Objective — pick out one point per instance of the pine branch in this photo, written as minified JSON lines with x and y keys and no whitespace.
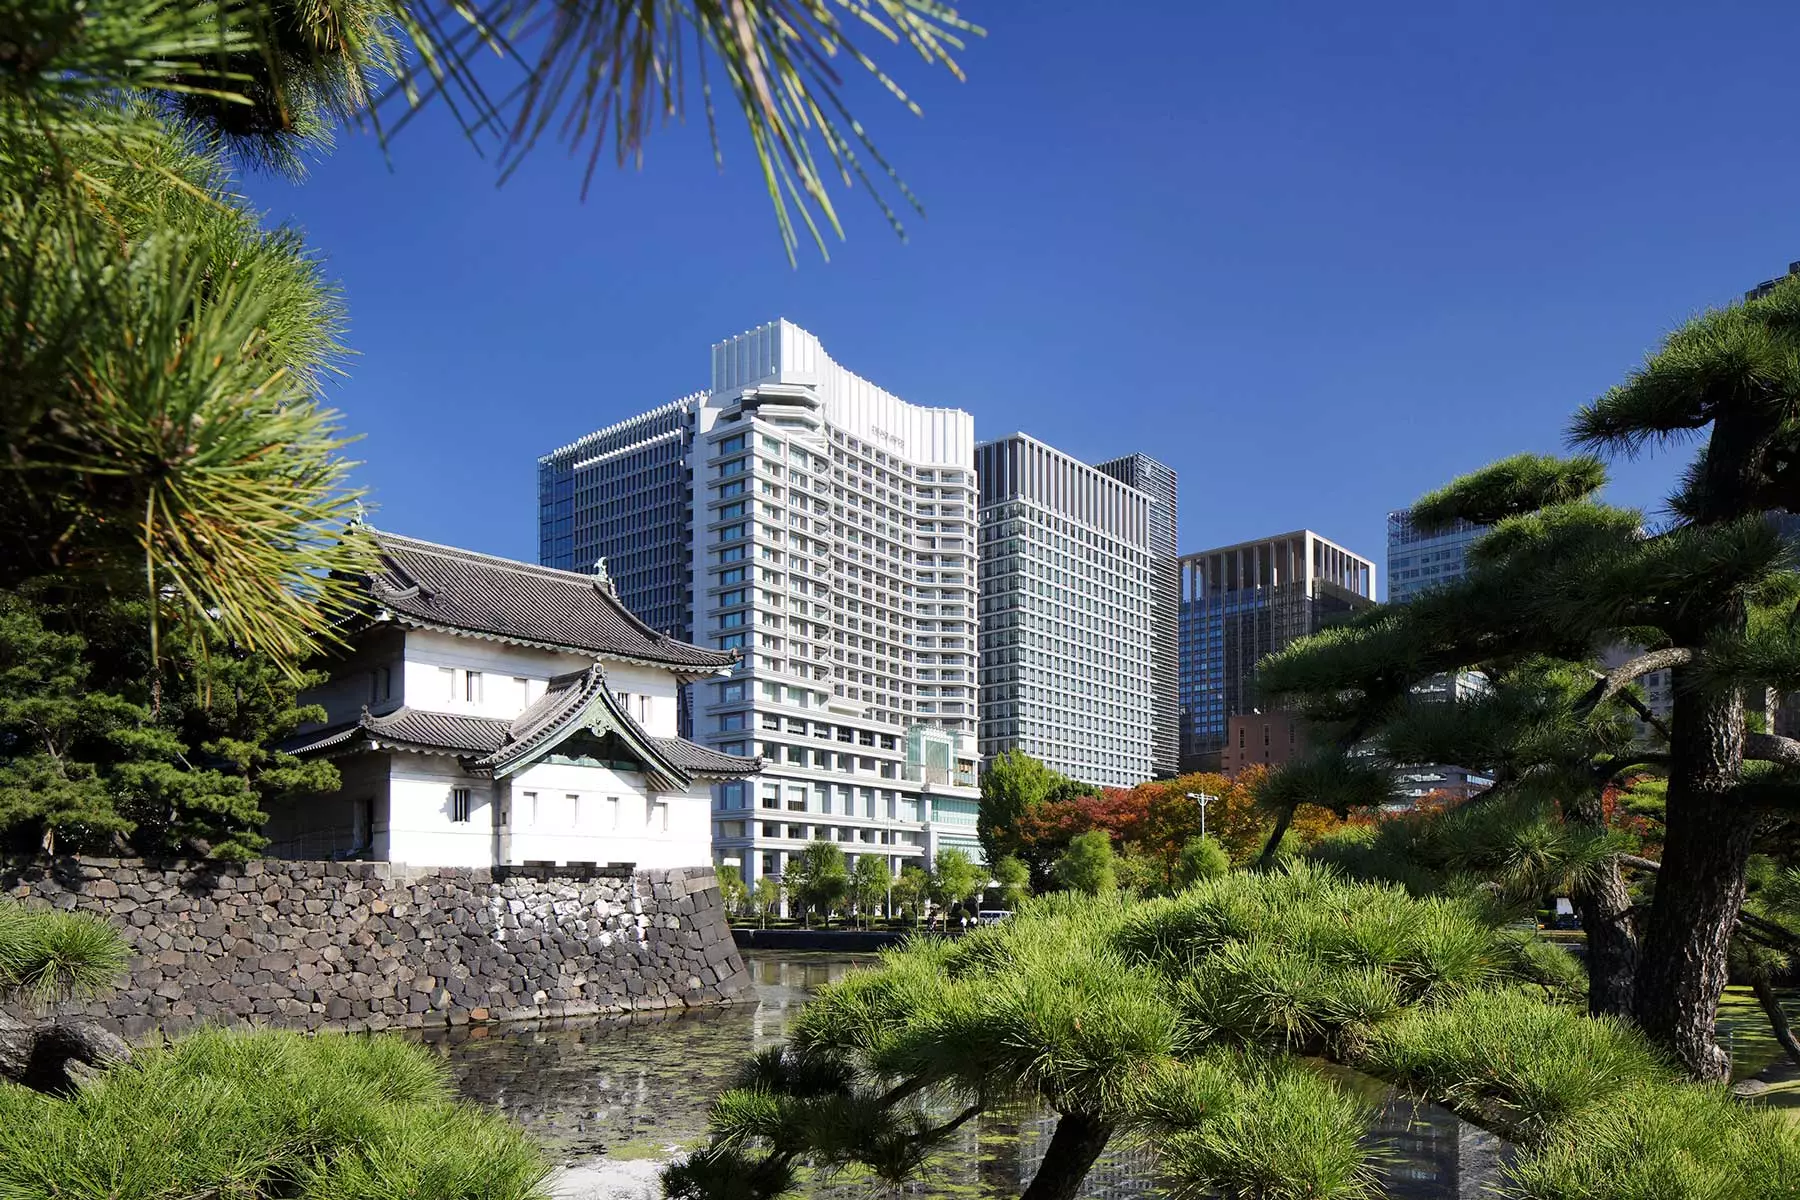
{"x":1770,"y":747}
{"x":1638,"y":706}
{"x":1616,"y":680}
{"x":1760,"y":929}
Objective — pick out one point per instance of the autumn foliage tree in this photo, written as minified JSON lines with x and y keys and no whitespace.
{"x":1151,"y":823}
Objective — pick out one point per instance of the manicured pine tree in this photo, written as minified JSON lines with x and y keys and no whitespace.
{"x":1710,"y":596}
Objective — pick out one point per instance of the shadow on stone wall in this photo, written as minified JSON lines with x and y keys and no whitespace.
{"x":370,"y":946}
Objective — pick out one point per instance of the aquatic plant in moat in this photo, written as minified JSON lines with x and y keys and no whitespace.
{"x":1184,"y":1024}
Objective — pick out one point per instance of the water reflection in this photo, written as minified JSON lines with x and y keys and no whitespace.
{"x":614,"y":1099}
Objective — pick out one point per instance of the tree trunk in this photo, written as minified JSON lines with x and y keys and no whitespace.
{"x":42,"y":1055}
{"x":1612,"y":942}
{"x":1604,"y":903}
{"x":1682,"y":965}
{"x":1079,"y":1140}
{"x":1282,"y":821}
{"x":1778,"y":1022}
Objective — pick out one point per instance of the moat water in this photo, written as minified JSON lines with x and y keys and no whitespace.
{"x":616,"y":1099}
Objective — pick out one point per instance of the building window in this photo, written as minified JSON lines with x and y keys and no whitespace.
{"x":459,"y":804}
{"x":381,"y":684}
{"x":472,"y":686}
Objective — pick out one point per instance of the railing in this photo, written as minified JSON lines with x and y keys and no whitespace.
{"x":942,"y":776}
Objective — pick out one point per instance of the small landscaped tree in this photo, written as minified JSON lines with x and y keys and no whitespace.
{"x":768,"y":898}
{"x":732,"y":892}
{"x":869,"y":883}
{"x":817,"y":880}
{"x":1012,"y":880}
{"x":955,"y":879}
{"x":1088,"y":865}
{"x":1202,"y":858}
{"x":912,"y":888}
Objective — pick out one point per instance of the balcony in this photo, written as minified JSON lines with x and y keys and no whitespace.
{"x":943,"y":777}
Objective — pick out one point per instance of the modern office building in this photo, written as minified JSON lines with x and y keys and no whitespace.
{"x":1158,"y":481}
{"x":825,"y":529}
{"x":1418,"y":561}
{"x":1066,"y":575}
{"x":622,"y":494}
{"x":1242,"y":602}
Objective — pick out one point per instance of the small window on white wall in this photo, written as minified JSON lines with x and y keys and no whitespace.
{"x":574,"y":810}
{"x":610,"y":818}
{"x":472,"y":686}
{"x":459,"y":804}
{"x":447,"y":676}
{"x":659,"y":816}
{"x":528,"y":808}
{"x":643,"y":710}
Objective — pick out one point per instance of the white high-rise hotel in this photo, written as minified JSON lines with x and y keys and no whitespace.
{"x":829,"y":536}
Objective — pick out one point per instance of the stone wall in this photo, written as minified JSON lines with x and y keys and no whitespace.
{"x":376,"y":946}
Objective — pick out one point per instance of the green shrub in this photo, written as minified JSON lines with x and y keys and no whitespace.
{"x":45,"y":954}
{"x":1278,"y":1131}
{"x":1660,"y":1141}
{"x":1527,"y":1066}
{"x":252,"y":1115}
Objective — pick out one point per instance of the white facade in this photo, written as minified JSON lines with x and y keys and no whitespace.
{"x":469,"y":748}
{"x":833,"y":543}
{"x":1066,"y":614}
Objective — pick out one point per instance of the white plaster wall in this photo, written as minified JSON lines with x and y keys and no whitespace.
{"x":652,"y":693}
{"x":322,"y":827}
{"x":349,"y":690}
{"x":514,"y":676}
{"x":420,"y":831}
{"x":608,"y":821}
{"x":430,"y":655}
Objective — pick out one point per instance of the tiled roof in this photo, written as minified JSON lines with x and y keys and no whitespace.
{"x":498,"y":747}
{"x":445,"y":732}
{"x":549,"y":718}
{"x":480,"y":594}
{"x":698,"y":760}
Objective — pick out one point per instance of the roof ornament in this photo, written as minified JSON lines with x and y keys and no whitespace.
{"x":602,"y":580}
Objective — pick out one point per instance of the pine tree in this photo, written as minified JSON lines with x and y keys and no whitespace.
{"x":1710,"y":596}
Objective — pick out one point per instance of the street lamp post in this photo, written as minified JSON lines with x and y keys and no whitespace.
{"x":1204,"y":798}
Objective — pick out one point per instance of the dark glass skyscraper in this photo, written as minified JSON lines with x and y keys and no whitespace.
{"x":1157,"y":480}
{"x":623,"y":494}
{"x":1240,"y":603}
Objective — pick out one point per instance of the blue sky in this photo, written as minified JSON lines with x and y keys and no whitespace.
{"x":1317,"y":257}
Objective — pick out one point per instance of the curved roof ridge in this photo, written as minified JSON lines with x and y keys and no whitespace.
{"x":483,"y":595}
{"x":509,"y":564}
